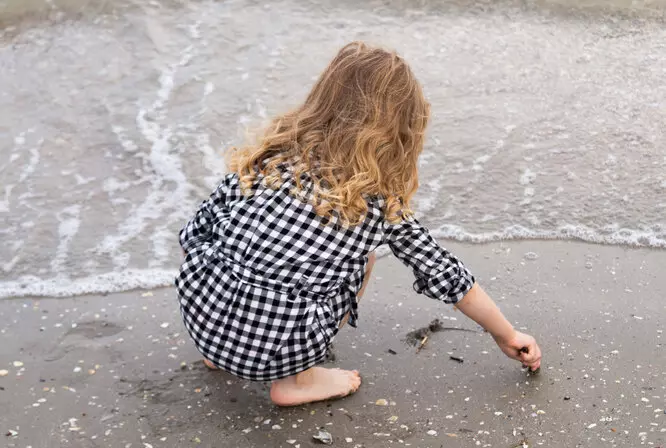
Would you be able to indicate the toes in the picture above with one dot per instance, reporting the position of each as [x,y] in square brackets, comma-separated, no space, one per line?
[355,383]
[354,379]
[210,365]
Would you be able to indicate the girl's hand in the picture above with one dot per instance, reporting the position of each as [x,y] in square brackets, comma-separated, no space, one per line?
[519,346]
[522,347]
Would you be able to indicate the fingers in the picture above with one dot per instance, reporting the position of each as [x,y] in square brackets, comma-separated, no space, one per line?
[532,356]
[523,348]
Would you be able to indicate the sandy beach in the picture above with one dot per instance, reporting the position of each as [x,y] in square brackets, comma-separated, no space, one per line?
[119,371]
[547,134]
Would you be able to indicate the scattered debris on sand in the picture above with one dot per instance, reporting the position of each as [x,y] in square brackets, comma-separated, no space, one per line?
[324,437]
[420,336]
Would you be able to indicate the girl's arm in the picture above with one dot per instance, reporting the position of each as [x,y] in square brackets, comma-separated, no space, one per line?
[479,307]
[442,276]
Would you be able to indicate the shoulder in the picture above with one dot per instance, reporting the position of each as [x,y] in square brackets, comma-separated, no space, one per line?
[377,206]
[227,189]
[230,180]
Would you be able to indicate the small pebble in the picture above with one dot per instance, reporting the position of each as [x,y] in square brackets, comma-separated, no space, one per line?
[4,372]
[432,432]
[381,402]
[18,364]
[531,256]
[324,437]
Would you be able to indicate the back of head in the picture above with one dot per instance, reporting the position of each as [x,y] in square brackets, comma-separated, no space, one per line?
[357,135]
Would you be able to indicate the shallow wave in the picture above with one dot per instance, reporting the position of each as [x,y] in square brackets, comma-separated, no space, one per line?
[111,282]
[550,130]
[621,237]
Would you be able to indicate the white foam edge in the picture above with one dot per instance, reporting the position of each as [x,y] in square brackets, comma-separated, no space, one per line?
[615,237]
[111,282]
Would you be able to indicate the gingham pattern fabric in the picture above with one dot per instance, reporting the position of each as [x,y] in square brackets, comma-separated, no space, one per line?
[265,283]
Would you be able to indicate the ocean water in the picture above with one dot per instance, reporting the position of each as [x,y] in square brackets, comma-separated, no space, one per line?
[547,121]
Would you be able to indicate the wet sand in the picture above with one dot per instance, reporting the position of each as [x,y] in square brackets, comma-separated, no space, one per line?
[119,370]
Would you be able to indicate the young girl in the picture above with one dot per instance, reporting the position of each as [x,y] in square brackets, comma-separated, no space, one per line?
[279,255]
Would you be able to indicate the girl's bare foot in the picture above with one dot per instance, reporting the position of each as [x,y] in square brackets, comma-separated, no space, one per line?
[210,365]
[314,384]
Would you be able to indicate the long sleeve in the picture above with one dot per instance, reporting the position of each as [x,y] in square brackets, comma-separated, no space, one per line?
[439,274]
[199,229]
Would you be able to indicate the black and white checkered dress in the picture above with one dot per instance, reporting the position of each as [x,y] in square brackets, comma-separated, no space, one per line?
[265,283]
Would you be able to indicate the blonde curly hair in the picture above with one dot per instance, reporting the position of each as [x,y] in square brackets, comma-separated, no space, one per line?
[358,135]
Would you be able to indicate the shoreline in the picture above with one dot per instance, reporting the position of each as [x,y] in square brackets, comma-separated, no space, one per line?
[540,121]
[108,370]
[132,280]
